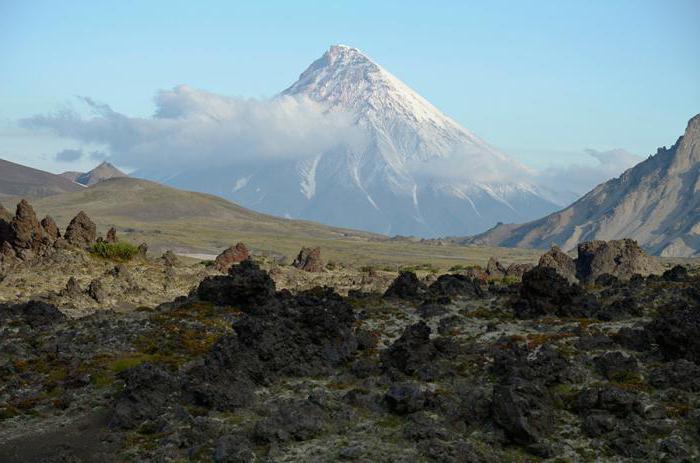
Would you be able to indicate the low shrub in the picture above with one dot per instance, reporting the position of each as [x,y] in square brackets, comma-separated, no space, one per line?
[120,250]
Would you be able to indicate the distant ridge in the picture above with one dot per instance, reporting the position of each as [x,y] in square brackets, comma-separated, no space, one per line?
[102,172]
[657,203]
[18,180]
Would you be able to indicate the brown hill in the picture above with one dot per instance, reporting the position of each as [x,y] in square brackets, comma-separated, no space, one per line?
[17,180]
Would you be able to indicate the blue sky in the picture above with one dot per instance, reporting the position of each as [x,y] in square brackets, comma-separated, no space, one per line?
[543,80]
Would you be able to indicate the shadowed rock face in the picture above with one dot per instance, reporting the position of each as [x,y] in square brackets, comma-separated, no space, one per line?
[25,229]
[50,227]
[309,260]
[406,286]
[560,262]
[620,258]
[81,231]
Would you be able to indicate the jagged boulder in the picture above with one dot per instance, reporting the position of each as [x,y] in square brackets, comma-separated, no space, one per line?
[518,270]
[412,352]
[170,259]
[245,284]
[545,292]
[495,269]
[675,330]
[5,219]
[620,258]
[452,285]
[232,255]
[309,260]
[111,236]
[81,231]
[50,228]
[406,286]
[25,229]
[564,265]
[143,250]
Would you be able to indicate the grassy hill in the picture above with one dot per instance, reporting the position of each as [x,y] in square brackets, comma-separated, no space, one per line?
[197,223]
[18,180]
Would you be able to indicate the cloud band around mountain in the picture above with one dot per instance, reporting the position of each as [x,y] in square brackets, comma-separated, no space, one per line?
[195,127]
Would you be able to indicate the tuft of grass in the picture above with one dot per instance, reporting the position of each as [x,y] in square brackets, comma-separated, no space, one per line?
[120,250]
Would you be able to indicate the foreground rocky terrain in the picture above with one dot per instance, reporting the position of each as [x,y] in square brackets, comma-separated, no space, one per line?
[476,366]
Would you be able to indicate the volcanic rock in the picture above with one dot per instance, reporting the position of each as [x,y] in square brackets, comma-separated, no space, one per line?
[81,231]
[406,286]
[675,330]
[560,262]
[143,250]
[518,270]
[170,259]
[111,236]
[451,285]
[50,227]
[309,260]
[230,256]
[245,284]
[495,269]
[25,230]
[5,219]
[545,292]
[410,352]
[620,258]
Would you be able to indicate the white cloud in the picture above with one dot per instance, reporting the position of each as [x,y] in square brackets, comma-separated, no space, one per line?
[581,178]
[195,128]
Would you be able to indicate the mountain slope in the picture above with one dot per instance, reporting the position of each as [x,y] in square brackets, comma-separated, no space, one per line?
[188,222]
[18,180]
[418,172]
[102,172]
[657,202]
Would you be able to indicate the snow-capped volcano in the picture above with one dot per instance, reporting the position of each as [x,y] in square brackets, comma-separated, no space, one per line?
[414,171]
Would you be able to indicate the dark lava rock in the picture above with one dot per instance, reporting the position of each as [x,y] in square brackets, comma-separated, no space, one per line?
[621,258]
[616,366]
[25,230]
[406,286]
[677,274]
[518,270]
[405,398]
[524,411]
[232,255]
[609,398]
[634,338]
[245,284]
[111,236]
[410,352]
[564,265]
[607,280]
[453,285]
[512,362]
[81,231]
[96,291]
[294,420]
[36,314]
[309,260]
[148,393]
[680,374]
[72,288]
[5,219]
[143,250]
[675,330]
[50,228]
[495,269]
[621,308]
[233,449]
[431,310]
[546,292]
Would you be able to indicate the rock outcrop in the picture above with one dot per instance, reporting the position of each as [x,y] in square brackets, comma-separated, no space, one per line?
[81,231]
[560,262]
[50,228]
[25,229]
[495,269]
[232,255]
[111,236]
[620,258]
[309,260]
